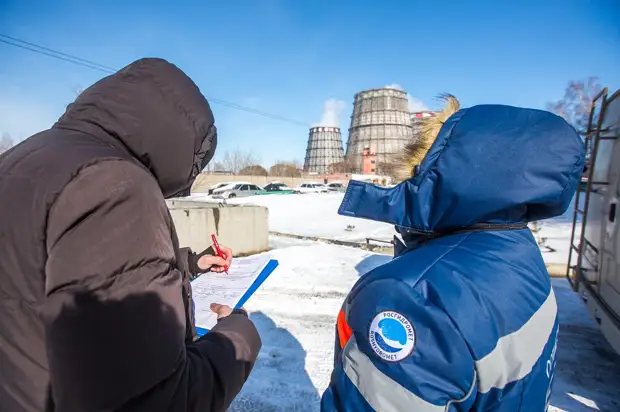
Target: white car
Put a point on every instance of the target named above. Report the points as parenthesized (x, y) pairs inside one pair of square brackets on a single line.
[(237, 190), (219, 186), (224, 186), (311, 188), (336, 187)]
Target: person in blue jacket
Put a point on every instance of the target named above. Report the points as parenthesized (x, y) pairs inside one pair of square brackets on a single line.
[(464, 318)]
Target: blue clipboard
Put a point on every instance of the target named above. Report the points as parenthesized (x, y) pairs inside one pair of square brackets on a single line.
[(264, 274)]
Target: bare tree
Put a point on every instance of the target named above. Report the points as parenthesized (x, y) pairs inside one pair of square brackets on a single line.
[(217, 167), (209, 167), (6, 142), (388, 169), (238, 159), (254, 170), (346, 166), (284, 169), (295, 162), (575, 106)]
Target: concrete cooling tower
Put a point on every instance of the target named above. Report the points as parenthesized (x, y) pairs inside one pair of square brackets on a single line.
[(324, 149), (381, 122)]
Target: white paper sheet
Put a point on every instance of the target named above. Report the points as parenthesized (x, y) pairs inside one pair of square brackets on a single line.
[(225, 289)]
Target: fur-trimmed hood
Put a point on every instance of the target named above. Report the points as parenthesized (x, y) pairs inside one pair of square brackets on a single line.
[(427, 131), (489, 164)]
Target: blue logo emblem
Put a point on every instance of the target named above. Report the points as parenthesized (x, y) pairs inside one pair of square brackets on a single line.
[(391, 336)]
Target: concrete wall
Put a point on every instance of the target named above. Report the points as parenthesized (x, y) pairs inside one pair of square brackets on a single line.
[(205, 180), (243, 228)]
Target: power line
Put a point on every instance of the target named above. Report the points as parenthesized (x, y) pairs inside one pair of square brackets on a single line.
[(12, 41), (59, 57), (91, 63), (256, 111)]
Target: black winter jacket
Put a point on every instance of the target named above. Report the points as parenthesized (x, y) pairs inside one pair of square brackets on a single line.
[(95, 303)]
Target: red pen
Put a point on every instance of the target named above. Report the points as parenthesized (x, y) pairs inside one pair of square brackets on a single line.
[(219, 252)]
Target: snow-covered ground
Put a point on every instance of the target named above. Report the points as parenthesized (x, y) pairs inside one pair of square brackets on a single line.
[(301, 215), (295, 312), (557, 232), (315, 215)]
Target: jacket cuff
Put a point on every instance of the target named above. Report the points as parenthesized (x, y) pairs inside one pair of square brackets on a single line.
[(192, 264), (193, 261), (240, 312), (190, 260), (239, 327)]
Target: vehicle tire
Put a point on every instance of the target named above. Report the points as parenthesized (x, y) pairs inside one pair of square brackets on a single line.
[(232, 195)]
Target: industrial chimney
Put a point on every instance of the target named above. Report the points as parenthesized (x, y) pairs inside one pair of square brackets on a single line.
[(380, 125), (324, 149)]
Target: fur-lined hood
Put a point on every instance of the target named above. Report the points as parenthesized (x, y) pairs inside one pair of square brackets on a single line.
[(428, 129), (490, 164)]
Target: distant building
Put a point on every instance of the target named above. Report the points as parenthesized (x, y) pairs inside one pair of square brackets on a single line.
[(369, 162), (417, 117)]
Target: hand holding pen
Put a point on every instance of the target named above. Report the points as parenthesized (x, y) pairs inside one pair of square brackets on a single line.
[(221, 252), (219, 263)]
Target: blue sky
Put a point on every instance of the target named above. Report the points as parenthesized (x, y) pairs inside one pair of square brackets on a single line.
[(289, 56)]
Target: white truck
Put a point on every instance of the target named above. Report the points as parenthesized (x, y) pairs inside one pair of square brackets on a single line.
[(594, 259)]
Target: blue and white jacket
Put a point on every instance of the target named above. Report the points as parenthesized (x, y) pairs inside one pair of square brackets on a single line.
[(464, 317)]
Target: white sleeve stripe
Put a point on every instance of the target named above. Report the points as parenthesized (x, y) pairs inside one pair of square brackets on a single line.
[(381, 392), (515, 354)]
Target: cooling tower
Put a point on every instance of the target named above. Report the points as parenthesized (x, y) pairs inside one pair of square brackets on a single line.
[(324, 149), (381, 122)]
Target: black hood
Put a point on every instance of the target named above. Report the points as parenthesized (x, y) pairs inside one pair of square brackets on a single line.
[(157, 113)]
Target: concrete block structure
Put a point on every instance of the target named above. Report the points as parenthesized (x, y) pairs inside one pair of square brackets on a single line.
[(380, 124), (323, 150), (243, 228)]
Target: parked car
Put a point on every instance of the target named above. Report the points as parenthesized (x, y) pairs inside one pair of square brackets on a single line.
[(336, 187), (226, 186), (311, 188), (219, 186), (237, 190), (322, 187), (276, 188)]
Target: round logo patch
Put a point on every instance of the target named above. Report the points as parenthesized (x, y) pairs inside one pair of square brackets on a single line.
[(391, 336)]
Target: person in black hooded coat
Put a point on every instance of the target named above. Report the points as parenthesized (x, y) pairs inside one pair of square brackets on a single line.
[(95, 300)]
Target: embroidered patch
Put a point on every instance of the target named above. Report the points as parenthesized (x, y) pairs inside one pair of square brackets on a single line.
[(391, 336)]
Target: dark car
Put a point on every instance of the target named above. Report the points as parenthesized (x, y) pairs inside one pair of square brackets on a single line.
[(276, 188)]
